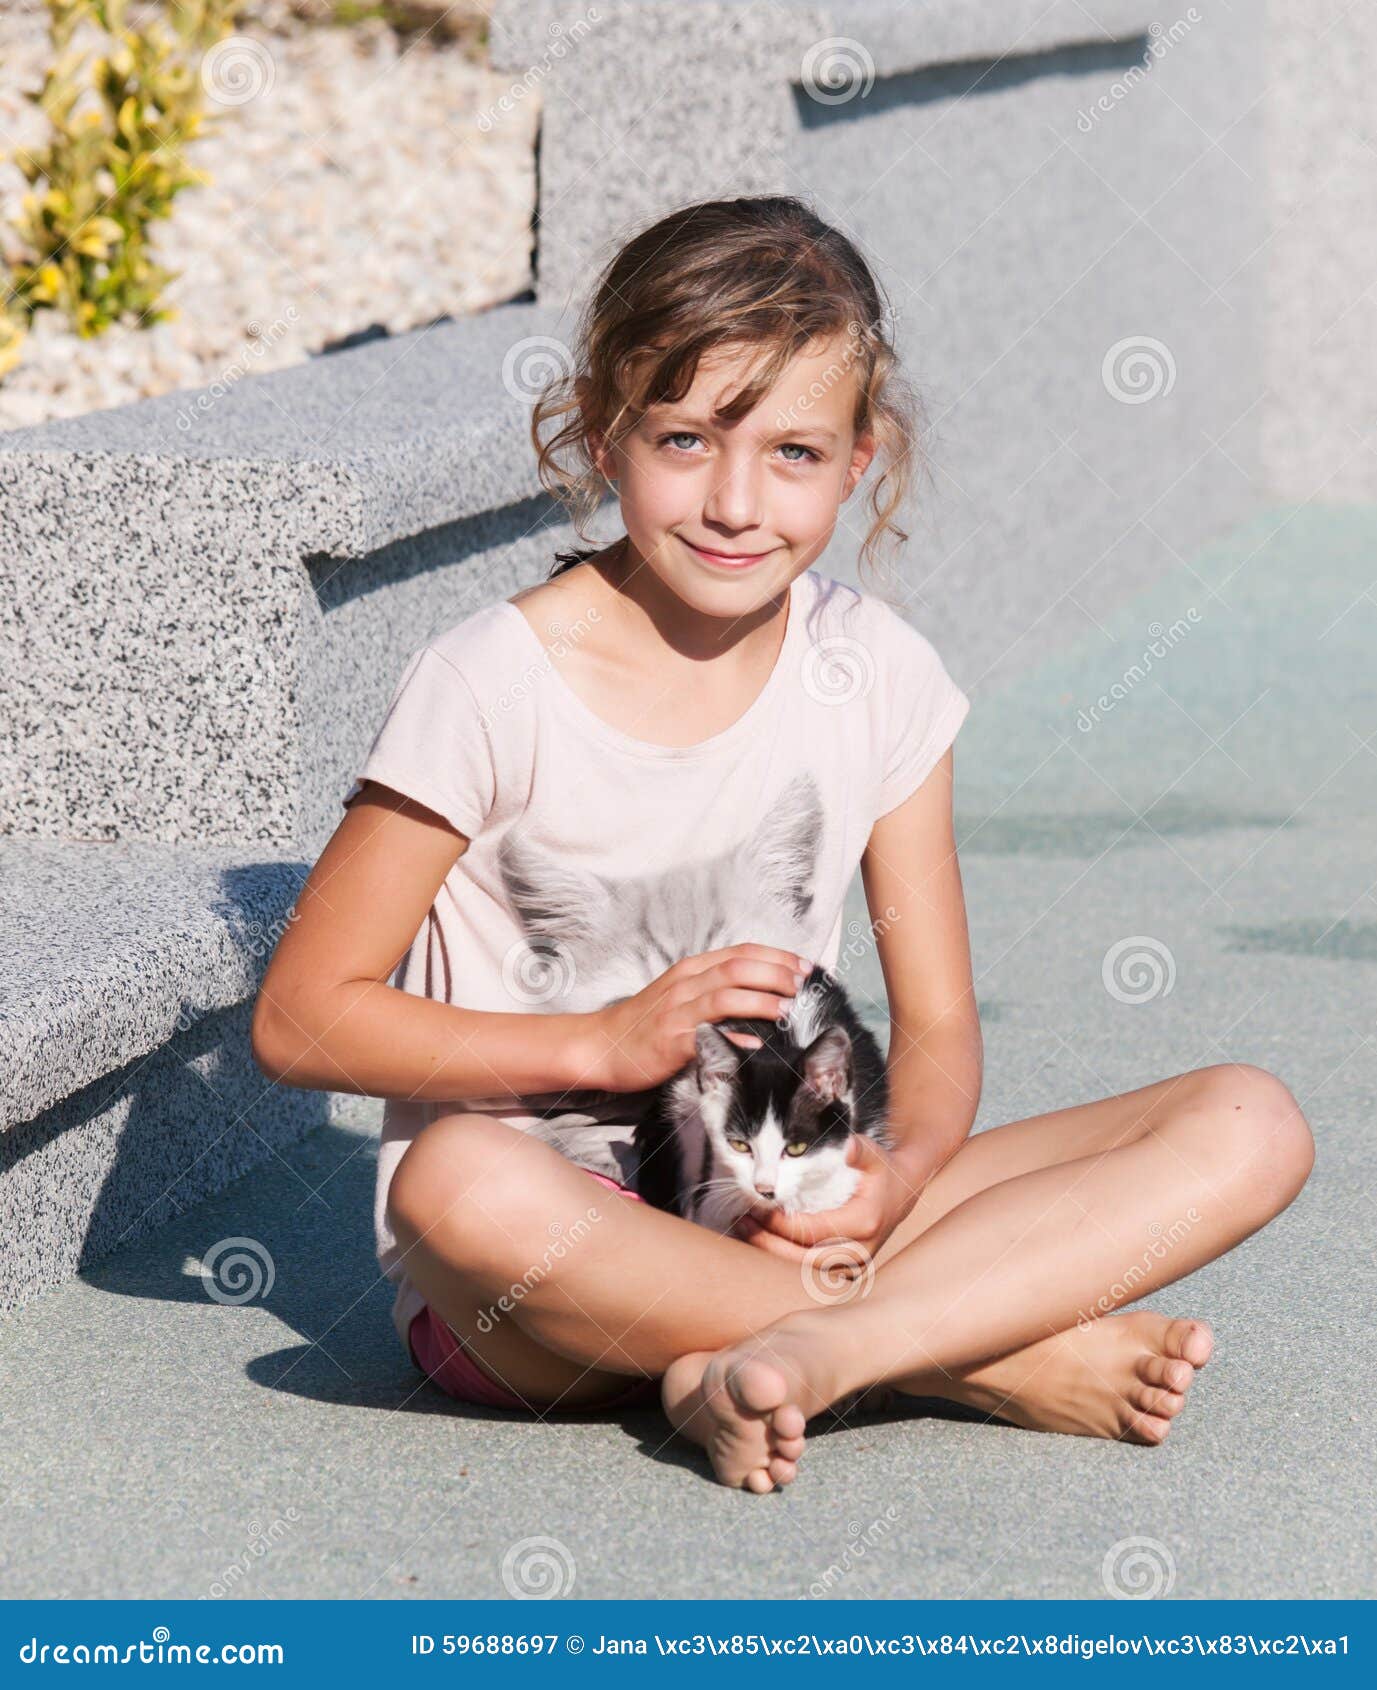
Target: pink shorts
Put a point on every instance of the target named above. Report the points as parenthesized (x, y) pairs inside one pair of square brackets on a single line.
[(440, 1354)]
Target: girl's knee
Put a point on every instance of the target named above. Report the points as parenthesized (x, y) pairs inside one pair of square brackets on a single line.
[(1259, 1128), (459, 1162)]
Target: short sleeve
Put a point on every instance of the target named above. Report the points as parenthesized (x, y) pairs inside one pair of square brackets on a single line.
[(923, 709), (434, 745)]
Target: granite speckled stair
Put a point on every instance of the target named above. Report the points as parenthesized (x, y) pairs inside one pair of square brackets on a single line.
[(127, 1093)]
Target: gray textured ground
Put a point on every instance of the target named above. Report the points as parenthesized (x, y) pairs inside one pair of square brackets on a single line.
[(1226, 809)]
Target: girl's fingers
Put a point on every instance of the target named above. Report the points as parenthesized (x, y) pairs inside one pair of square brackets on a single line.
[(780, 971), (759, 953), (725, 1001), (863, 1152), (751, 1232), (817, 1228)]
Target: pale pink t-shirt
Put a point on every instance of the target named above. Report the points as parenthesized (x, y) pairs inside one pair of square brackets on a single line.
[(597, 860)]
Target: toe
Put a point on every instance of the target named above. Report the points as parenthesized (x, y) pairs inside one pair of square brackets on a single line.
[(1168, 1372), (788, 1421), (790, 1448), (1191, 1340), (1146, 1428), (781, 1471), (1166, 1404), (758, 1386), (759, 1481)]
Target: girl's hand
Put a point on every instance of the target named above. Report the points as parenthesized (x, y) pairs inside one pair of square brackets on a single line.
[(885, 1194), (642, 1040)]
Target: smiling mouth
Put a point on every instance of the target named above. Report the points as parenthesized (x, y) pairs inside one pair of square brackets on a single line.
[(729, 560)]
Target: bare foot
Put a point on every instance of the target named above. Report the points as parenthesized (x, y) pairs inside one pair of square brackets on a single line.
[(748, 1405), (1122, 1376)]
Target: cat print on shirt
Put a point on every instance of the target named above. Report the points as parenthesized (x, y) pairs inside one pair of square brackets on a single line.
[(591, 940)]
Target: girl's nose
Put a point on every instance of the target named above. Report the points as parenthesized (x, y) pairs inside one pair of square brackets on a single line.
[(735, 499)]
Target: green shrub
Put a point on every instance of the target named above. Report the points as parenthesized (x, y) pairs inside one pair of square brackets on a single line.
[(111, 169)]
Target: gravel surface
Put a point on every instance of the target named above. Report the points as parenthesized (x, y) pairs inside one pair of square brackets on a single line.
[(354, 184)]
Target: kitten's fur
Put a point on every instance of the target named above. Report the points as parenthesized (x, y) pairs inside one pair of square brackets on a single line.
[(816, 1080)]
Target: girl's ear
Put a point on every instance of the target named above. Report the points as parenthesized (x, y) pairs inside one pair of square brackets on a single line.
[(602, 458), (861, 454)]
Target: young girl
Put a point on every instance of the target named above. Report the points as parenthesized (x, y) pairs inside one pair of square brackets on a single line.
[(630, 800)]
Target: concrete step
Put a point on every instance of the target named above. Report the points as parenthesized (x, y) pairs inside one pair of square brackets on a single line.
[(206, 598), (127, 1093)]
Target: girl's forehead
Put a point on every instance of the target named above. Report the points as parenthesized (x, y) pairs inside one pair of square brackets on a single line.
[(818, 385)]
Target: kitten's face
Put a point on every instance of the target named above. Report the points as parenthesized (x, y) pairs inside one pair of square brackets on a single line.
[(776, 1167), (779, 1132)]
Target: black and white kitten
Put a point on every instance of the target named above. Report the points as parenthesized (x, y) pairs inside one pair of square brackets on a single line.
[(738, 1128)]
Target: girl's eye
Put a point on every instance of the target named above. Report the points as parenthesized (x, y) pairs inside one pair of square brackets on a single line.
[(809, 456)]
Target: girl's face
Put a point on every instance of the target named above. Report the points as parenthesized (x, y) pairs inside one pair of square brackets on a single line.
[(765, 490)]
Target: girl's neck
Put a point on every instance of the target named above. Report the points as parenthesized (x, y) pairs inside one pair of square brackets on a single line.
[(640, 597)]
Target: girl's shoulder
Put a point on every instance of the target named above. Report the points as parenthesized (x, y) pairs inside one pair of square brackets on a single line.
[(506, 630), (485, 648), (883, 627)]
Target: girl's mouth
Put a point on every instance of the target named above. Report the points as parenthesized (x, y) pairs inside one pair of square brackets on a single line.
[(726, 560)]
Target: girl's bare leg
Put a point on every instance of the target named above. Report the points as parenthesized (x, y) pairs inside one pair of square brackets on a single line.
[(633, 1291), (1028, 1258), (560, 1288)]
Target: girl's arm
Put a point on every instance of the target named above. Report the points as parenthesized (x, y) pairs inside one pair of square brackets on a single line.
[(918, 915), (325, 1018)]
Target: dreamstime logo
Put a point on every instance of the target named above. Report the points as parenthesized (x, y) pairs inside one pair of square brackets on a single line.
[(837, 670), (563, 638), (1138, 368), (862, 1540), (553, 1252), (861, 940), (262, 1539), (538, 1567), (1137, 1569), (536, 970), (1161, 642), (237, 70), (838, 1270), (532, 364), (562, 37), (260, 941), (836, 70), (1160, 40), (260, 339), (253, 939), (1138, 969), (237, 1270), (820, 386), (1164, 1240)]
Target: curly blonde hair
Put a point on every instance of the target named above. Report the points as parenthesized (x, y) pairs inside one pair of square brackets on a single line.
[(766, 273)]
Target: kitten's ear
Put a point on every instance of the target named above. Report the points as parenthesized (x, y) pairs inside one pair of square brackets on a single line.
[(716, 1056), (827, 1064)]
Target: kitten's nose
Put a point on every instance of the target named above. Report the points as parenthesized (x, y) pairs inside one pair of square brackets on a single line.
[(764, 1190)]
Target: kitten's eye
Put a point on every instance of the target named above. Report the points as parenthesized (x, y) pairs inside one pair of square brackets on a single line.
[(738, 1144), (796, 1148)]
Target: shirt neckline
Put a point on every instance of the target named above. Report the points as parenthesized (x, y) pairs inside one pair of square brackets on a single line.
[(571, 705)]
